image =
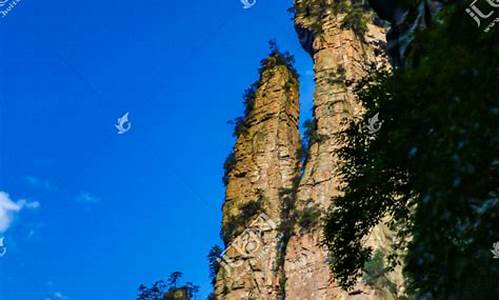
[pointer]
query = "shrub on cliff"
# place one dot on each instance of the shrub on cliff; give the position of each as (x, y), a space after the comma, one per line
(309, 217)
(235, 224)
(168, 291)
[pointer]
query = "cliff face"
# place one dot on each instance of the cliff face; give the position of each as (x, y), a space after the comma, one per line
(264, 163)
(272, 211)
(340, 58)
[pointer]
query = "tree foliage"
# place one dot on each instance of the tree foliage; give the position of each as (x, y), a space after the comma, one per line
(155, 292)
(213, 257)
(354, 14)
(374, 273)
(432, 168)
(173, 278)
(161, 290)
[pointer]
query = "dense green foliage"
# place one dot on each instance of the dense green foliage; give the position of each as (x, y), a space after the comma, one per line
(155, 292)
(374, 273)
(213, 262)
(432, 169)
(356, 20)
(214, 256)
(355, 14)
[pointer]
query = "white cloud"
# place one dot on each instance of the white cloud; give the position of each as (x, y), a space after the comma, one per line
(31, 234)
(59, 295)
(33, 205)
(53, 294)
(40, 183)
(9, 208)
(29, 205)
(85, 197)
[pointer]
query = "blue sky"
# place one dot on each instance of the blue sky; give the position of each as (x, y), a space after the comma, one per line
(87, 213)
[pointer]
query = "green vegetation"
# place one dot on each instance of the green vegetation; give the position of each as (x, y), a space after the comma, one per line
(213, 257)
(249, 96)
(236, 223)
(356, 19)
(312, 13)
(433, 166)
(311, 135)
(337, 77)
(282, 287)
(374, 273)
(211, 296)
(278, 58)
(288, 198)
(240, 126)
(275, 58)
(213, 262)
(229, 164)
(168, 291)
(309, 217)
(176, 294)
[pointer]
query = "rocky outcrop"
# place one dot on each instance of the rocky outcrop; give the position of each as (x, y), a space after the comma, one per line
(341, 52)
(264, 162)
(272, 211)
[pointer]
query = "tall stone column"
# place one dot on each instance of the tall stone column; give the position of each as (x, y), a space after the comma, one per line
(265, 162)
(340, 57)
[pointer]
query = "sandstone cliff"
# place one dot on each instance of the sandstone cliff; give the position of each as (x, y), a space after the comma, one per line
(264, 162)
(342, 41)
(273, 209)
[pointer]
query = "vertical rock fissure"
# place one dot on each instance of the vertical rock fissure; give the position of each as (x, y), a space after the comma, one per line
(342, 41)
(274, 202)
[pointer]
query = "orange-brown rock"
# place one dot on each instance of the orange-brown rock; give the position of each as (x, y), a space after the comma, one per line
(265, 161)
(340, 58)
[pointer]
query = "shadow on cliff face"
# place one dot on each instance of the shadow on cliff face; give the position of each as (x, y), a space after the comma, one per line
(432, 167)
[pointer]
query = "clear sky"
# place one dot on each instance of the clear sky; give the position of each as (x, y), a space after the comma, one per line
(89, 214)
